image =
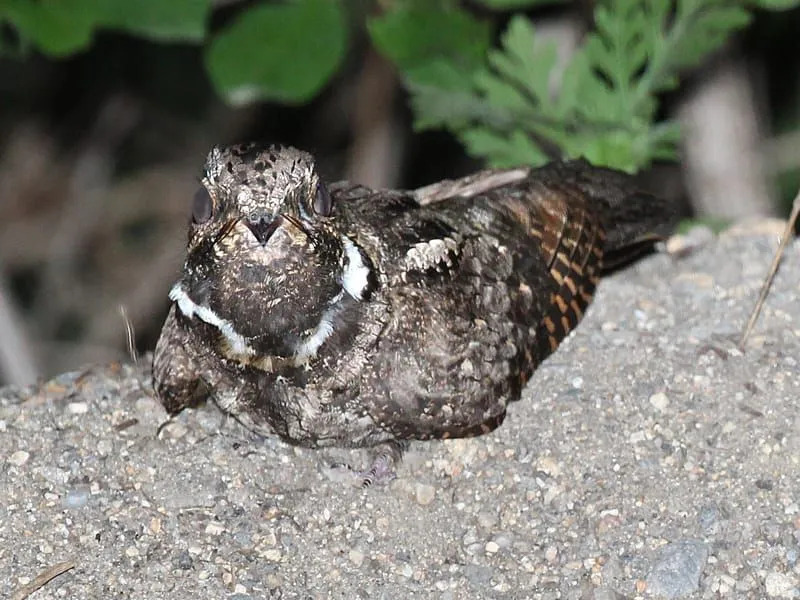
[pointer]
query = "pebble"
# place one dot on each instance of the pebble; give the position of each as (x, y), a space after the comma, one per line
(215, 528)
(184, 560)
(425, 493)
(105, 447)
(487, 519)
(474, 548)
(492, 547)
(478, 575)
(502, 540)
(273, 554)
(659, 401)
(356, 557)
(78, 408)
(677, 570)
(709, 518)
(77, 497)
(19, 458)
(780, 585)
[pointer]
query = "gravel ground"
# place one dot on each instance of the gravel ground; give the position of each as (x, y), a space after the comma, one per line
(648, 458)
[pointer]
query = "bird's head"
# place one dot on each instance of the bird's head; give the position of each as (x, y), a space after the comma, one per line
(265, 263)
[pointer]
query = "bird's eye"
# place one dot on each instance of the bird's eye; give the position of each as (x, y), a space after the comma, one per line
(322, 201)
(202, 206)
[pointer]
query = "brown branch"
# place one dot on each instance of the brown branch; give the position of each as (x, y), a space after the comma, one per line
(43, 579)
(787, 235)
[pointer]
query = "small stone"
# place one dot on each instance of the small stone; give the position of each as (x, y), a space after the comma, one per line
(155, 526)
(184, 561)
(78, 408)
(677, 570)
(549, 465)
(659, 401)
(780, 585)
(502, 540)
(77, 497)
(474, 548)
(709, 519)
(425, 493)
(492, 547)
(551, 554)
(273, 554)
(478, 575)
(486, 519)
(19, 458)
(105, 447)
(637, 437)
(356, 557)
(214, 528)
(174, 430)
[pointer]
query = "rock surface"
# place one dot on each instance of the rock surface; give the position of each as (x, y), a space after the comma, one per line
(649, 456)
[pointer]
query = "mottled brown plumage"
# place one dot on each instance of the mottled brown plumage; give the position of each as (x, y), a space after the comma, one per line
(340, 315)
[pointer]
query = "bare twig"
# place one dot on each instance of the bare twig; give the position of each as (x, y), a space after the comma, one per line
(130, 335)
(43, 579)
(787, 235)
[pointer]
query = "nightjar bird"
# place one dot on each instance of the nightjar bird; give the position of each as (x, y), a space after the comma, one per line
(338, 315)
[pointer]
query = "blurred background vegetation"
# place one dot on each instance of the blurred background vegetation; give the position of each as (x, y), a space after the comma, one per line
(109, 107)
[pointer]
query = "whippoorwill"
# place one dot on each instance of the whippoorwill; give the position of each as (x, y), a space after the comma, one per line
(338, 315)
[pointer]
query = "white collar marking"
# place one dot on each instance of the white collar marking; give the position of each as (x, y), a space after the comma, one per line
(355, 276)
(307, 348)
(355, 279)
(190, 308)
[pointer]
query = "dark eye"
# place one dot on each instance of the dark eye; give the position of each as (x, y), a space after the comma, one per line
(322, 201)
(201, 206)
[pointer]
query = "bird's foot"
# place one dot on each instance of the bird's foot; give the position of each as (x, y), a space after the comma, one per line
(381, 471)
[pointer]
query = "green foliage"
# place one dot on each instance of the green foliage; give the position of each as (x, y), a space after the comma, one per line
(517, 4)
(283, 52)
(522, 102)
(62, 27)
(414, 36)
(516, 103)
(775, 4)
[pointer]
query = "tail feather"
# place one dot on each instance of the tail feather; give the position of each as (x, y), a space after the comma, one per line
(633, 220)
